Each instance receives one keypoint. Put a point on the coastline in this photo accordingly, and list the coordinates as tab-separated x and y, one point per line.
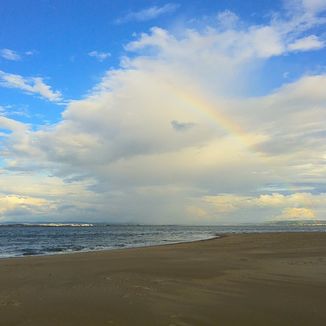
86	251
36	240
247	279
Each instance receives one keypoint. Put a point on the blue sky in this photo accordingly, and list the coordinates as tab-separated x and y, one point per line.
248	66
58	36
54	38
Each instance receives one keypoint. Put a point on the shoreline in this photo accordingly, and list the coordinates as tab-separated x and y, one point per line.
217	236
62	253
238	279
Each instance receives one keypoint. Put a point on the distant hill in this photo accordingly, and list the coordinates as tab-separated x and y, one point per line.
298	222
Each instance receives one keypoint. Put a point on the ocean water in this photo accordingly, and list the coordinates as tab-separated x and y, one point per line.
47	239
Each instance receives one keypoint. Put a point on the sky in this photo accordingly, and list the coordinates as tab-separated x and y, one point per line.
187	112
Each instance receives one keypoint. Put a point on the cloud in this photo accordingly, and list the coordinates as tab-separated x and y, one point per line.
12	110
242	43
182	126
100	56
298	213
30	52
231	202
276	206
116	154
295	130
38	197
11	203
31	85
307	43
311	7
314	5
148	13
227	19
10	55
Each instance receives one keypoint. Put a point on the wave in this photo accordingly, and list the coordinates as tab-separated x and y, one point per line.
48	225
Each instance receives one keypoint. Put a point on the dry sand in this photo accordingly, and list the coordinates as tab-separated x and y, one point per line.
249	279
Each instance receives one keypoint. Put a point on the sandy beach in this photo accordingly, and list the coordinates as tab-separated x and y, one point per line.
248	279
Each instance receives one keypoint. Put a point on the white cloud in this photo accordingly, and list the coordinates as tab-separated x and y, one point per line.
12	110
315	5
311	42
32	85
308	6
116	153
10	55
100	56
227	19
149	13
30	52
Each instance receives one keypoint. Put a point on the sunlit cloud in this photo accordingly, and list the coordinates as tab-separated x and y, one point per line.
172	128
276	206
12	204
298	213
30	85
307	43
148	13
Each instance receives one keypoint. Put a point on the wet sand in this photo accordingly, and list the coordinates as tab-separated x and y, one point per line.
249	279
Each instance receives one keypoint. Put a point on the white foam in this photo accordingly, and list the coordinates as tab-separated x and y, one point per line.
61	224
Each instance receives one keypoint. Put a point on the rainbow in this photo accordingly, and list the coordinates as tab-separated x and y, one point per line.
205	108
247	140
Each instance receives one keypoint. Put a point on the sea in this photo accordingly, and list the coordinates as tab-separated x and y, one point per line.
17	240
